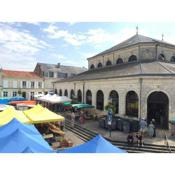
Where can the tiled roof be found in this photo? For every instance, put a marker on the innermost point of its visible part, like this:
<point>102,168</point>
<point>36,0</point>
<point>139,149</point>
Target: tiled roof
<point>61,68</point>
<point>132,41</point>
<point>153,68</point>
<point>19,74</point>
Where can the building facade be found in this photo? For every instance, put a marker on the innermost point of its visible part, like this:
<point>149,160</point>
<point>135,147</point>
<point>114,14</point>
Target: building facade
<point>137,75</point>
<point>23,83</point>
<point>54,72</point>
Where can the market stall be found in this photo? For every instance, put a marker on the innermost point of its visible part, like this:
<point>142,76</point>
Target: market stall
<point>16,137</point>
<point>9,113</point>
<point>96,145</point>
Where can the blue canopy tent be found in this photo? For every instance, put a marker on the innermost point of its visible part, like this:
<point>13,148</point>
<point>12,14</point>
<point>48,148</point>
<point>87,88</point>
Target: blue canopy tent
<point>7,100</point>
<point>14,124</point>
<point>96,145</point>
<point>16,137</point>
<point>4,101</point>
<point>17,98</point>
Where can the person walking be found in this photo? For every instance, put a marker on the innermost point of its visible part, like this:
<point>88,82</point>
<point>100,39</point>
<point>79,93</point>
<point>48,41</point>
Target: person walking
<point>109,121</point>
<point>72,119</point>
<point>154,123</point>
<point>81,117</point>
<point>143,125</point>
<point>151,129</point>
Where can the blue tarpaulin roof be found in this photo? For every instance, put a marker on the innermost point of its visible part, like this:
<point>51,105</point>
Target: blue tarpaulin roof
<point>97,145</point>
<point>7,100</point>
<point>14,124</point>
<point>16,137</point>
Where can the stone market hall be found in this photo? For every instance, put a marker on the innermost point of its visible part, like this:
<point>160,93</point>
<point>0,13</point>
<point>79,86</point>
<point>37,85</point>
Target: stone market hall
<point>138,75</point>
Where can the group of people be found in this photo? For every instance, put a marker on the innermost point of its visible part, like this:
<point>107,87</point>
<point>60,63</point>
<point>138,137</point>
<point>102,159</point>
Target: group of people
<point>138,136</point>
<point>150,129</point>
<point>81,118</point>
<point>143,128</point>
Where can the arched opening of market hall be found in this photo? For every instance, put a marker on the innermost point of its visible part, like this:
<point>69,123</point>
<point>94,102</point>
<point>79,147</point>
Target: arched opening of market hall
<point>158,109</point>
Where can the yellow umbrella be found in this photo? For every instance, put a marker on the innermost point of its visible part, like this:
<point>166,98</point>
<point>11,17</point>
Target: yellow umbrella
<point>9,113</point>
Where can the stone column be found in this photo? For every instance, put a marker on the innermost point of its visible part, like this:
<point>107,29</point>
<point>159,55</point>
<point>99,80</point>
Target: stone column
<point>122,103</point>
<point>93,98</point>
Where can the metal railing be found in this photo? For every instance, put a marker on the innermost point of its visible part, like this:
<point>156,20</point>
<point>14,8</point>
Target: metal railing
<point>166,141</point>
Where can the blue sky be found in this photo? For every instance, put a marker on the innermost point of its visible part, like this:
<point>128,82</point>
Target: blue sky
<point>22,45</point>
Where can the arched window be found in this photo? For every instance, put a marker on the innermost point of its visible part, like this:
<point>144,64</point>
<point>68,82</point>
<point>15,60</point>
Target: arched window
<point>56,92</point>
<point>99,65</point>
<point>114,99</point>
<point>79,95</point>
<point>132,104</point>
<point>172,59</point>
<point>119,61</point>
<point>66,93</point>
<point>92,66</point>
<point>158,108</point>
<point>132,58</point>
<point>100,100</point>
<point>60,92</point>
<point>72,94</point>
<point>89,97</point>
<point>108,63</point>
<point>161,57</point>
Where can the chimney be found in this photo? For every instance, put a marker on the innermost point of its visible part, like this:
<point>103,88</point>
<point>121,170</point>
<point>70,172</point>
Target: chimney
<point>58,65</point>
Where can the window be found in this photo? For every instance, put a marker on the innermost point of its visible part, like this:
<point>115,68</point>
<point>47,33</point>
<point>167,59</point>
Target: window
<point>72,75</point>
<point>99,65</point>
<point>61,75</point>
<point>108,63</point>
<point>45,74</point>
<point>32,95</point>
<point>5,83</point>
<point>119,61</point>
<point>132,58</point>
<point>24,84</point>
<point>14,84</point>
<point>14,94</point>
<point>92,66</point>
<point>51,74</point>
<point>5,94</point>
<point>32,84</point>
<point>39,84</point>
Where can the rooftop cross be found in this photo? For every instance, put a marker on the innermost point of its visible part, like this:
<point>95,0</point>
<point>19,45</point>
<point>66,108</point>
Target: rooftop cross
<point>137,30</point>
<point>162,36</point>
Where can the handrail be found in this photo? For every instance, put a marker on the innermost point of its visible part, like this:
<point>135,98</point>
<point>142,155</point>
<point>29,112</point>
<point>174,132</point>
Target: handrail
<point>166,140</point>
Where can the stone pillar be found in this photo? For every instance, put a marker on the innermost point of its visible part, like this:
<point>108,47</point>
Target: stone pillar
<point>122,103</point>
<point>93,98</point>
<point>106,99</point>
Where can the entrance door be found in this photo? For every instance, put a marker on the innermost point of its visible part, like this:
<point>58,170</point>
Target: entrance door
<point>158,108</point>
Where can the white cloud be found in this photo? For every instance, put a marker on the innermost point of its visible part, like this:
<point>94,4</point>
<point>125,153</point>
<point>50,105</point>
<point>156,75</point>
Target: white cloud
<point>95,37</point>
<point>19,47</point>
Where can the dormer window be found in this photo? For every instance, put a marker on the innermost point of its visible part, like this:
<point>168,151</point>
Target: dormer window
<point>119,61</point>
<point>108,63</point>
<point>99,65</point>
<point>132,58</point>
